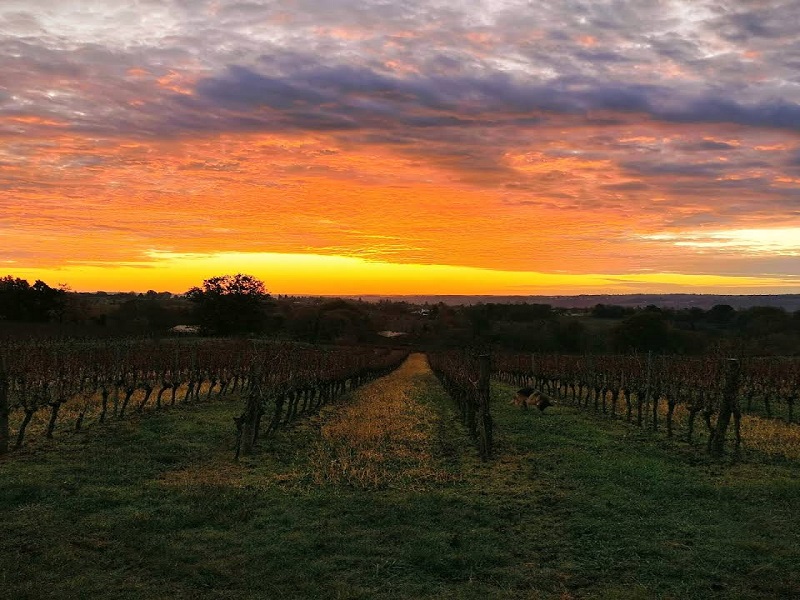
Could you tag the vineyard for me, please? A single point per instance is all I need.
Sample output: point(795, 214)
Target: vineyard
point(384, 493)
point(465, 378)
point(692, 398)
point(50, 386)
point(46, 387)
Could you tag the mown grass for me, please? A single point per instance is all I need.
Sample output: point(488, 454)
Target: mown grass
point(761, 436)
point(382, 438)
point(87, 409)
point(570, 507)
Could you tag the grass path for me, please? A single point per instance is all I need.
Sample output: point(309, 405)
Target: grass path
point(382, 438)
point(383, 496)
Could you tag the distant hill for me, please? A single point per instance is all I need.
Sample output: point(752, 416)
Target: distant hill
point(790, 302)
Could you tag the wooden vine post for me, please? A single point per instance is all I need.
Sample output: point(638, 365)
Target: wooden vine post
point(247, 423)
point(484, 417)
point(729, 406)
point(645, 400)
point(4, 410)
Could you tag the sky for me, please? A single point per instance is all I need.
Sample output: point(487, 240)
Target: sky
point(419, 147)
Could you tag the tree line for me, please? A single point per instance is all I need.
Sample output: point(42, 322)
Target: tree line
point(37, 302)
point(241, 304)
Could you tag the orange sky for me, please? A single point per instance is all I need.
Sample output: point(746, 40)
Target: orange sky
point(429, 163)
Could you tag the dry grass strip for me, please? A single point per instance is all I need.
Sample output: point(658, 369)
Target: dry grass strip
point(383, 438)
point(772, 437)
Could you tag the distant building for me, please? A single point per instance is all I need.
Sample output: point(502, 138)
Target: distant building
point(185, 329)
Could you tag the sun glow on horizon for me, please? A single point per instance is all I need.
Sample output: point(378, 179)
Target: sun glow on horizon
point(367, 152)
point(330, 275)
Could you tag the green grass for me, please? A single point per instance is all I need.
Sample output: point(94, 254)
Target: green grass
point(570, 507)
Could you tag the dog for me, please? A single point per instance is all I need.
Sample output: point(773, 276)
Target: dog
point(527, 397)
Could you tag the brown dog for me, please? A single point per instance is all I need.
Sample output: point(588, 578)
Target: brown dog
point(527, 397)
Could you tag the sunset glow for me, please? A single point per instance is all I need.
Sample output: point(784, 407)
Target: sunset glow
point(402, 148)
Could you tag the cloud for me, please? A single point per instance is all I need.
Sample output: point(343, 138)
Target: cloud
point(585, 119)
point(704, 145)
point(333, 66)
point(358, 96)
point(711, 108)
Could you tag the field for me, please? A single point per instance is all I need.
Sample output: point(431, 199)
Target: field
point(382, 495)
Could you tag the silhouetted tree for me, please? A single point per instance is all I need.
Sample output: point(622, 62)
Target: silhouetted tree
point(646, 330)
point(332, 321)
point(230, 304)
point(572, 336)
point(145, 314)
point(21, 301)
point(611, 311)
point(480, 319)
point(687, 318)
point(721, 314)
point(764, 320)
